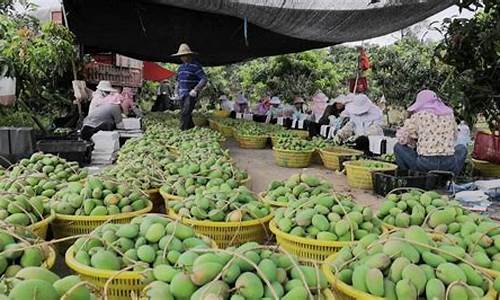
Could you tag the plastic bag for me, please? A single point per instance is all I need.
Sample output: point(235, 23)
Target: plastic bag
point(7, 90)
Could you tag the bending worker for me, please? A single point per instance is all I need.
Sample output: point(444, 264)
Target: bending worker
point(190, 81)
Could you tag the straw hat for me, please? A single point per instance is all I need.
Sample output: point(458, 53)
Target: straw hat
point(298, 100)
point(105, 85)
point(184, 50)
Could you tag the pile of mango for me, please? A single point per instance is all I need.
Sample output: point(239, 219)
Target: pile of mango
point(322, 143)
point(232, 274)
point(292, 143)
point(296, 187)
point(252, 129)
point(19, 251)
point(97, 197)
point(389, 157)
point(150, 242)
point(53, 167)
point(221, 204)
point(3, 172)
point(39, 283)
point(409, 264)
point(412, 208)
point(327, 217)
point(141, 172)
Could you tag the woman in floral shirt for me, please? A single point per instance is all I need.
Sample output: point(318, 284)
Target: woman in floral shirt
point(427, 140)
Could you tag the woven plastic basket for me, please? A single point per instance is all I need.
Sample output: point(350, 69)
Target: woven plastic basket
point(306, 249)
point(342, 291)
point(51, 257)
point(41, 228)
point(486, 168)
point(359, 175)
point(212, 124)
point(221, 114)
point(68, 225)
point(292, 159)
point(334, 157)
point(169, 197)
point(122, 285)
point(227, 234)
point(226, 131)
point(252, 141)
point(300, 133)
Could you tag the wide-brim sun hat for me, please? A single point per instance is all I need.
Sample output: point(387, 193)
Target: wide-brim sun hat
point(275, 101)
point(105, 85)
point(359, 105)
point(184, 49)
point(342, 99)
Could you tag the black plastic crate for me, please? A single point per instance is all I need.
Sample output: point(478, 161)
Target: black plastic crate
point(384, 182)
point(71, 150)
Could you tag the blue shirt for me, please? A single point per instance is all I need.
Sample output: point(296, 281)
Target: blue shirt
point(189, 75)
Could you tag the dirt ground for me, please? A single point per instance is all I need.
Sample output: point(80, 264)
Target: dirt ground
point(260, 166)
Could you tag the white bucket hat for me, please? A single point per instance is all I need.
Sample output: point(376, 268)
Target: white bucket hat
point(105, 85)
point(275, 100)
point(184, 50)
point(359, 105)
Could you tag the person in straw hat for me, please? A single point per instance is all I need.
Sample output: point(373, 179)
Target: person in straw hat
point(190, 81)
point(103, 90)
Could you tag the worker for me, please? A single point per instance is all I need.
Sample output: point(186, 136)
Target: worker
point(319, 104)
point(276, 108)
point(191, 79)
point(164, 96)
point(365, 119)
point(427, 141)
point(334, 109)
point(128, 104)
point(263, 106)
point(241, 105)
point(298, 110)
point(106, 117)
point(226, 104)
point(103, 90)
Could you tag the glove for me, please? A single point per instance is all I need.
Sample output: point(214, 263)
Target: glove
point(193, 93)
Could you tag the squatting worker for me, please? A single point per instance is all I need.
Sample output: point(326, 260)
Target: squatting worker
point(106, 117)
point(427, 141)
point(190, 81)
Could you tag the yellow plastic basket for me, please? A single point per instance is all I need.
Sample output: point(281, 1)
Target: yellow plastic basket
point(360, 176)
point(221, 114)
point(343, 291)
point(226, 131)
point(486, 168)
point(252, 141)
point(292, 158)
point(169, 197)
point(226, 234)
point(333, 157)
point(212, 124)
point(122, 285)
point(69, 225)
point(306, 249)
point(40, 228)
point(262, 197)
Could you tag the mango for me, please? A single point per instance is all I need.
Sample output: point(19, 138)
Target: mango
point(250, 286)
point(32, 257)
point(205, 272)
point(33, 289)
point(448, 272)
point(432, 259)
point(389, 290)
point(37, 273)
point(406, 290)
point(105, 260)
point(375, 282)
point(182, 287)
point(359, 278)
point(215, 290)
point(458, 292)
point(435, 290)
point(397, 267)
point(416, 276)
point(66, 284)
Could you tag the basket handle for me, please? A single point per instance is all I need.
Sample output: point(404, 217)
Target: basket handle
point(406, 189)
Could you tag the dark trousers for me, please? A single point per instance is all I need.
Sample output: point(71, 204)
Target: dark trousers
point(88, 131)
point(408, 159)
point(187, 107)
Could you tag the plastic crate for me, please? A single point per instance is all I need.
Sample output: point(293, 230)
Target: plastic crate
point(71, 150)
point(384, 182)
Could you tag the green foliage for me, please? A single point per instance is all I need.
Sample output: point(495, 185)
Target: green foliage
point(39, 56)
point(472, 46)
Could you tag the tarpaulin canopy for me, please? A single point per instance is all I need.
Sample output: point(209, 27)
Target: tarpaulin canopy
point(226, 31)
point(154, 72)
